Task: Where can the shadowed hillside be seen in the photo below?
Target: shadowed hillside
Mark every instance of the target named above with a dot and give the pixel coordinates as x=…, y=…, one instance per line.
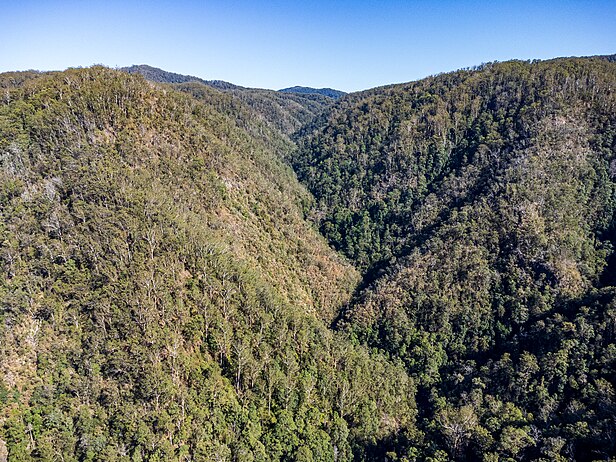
x=315, y=91
x=479, y=206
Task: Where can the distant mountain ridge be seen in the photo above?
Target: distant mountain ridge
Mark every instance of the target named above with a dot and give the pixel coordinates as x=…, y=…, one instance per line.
x=156, y=74
x=314, y=91
x=159, y=75
x=286, y=110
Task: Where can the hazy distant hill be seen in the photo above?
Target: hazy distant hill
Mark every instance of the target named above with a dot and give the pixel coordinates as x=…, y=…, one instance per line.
x=314, y=91
x=611, y=58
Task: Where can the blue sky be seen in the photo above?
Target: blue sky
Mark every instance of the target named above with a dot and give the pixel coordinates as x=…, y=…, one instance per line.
x=349, y=45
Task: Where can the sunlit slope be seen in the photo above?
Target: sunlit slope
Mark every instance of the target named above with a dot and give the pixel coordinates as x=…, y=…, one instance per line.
x=479, y=206
x=162, y=296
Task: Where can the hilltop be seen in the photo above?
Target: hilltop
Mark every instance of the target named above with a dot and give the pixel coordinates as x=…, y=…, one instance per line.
x=285, y=111
x=161, y=76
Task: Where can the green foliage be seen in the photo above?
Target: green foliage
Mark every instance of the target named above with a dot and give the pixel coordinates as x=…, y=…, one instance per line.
x=314, y=91
x=164, y=298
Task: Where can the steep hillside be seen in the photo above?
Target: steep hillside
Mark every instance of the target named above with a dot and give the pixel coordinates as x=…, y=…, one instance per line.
x=284, y=112
x=162, y=297
x=480, y=207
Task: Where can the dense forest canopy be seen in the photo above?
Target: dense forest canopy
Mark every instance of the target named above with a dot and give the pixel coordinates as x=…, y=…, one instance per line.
x=193, y=270
x=479, y=206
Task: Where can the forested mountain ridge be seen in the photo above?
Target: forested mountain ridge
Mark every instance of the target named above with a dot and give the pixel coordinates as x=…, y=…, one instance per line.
x=480, y=206
x=162, y=296
x=166, y=295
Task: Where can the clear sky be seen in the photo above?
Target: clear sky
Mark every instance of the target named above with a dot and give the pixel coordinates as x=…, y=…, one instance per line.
x=349, y=45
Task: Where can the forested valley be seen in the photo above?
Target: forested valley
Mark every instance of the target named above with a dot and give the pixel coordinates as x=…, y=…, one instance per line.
x=197, y=271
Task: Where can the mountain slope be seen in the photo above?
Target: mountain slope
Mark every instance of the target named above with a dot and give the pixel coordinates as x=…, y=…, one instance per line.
x=480, y=207
x=162, y=296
